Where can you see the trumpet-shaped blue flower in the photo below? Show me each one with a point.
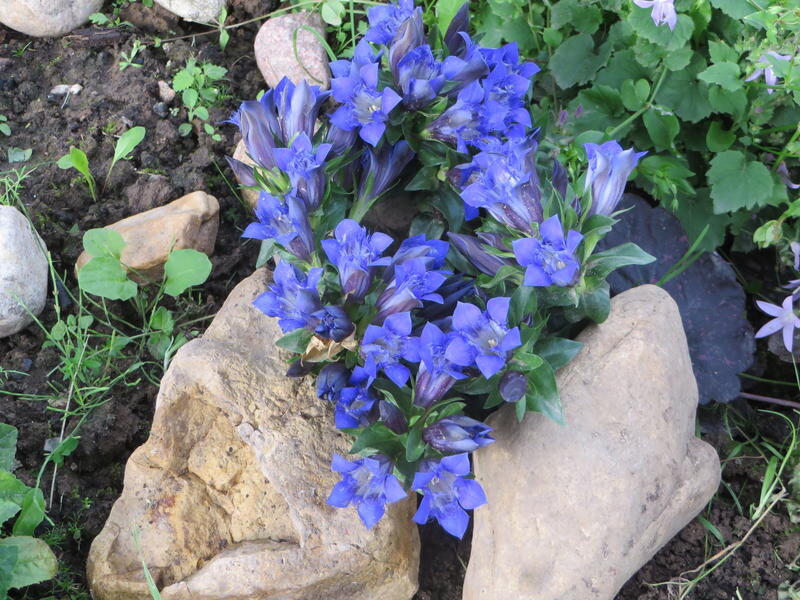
(549, 259)
(785, 320)
(304, 165)
(292, 297)
(356, 402)
(437, 373)
(414, 282)
(663, 11)
(508, 57)
(286, 222)
(420, 77)
(473, 250)
(484, 339)
(258, 126)
(385, 20)
(456, 288)
(383, 347)
(332, 379)
(296, 107)
(410, 35)
(432, 252)
(383, 166)
(469, 120)
(355, 254)
(334, 323)
(368, 484)
(464, 67)
(513, 386)
(609, 168)
(458, 433)
(447, 492)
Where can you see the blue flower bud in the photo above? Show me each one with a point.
(513, 386)
(457, 434)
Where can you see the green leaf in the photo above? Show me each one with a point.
(64, 449)
(8, 446)
(662, 128)
(731, 103)
(736, 9)
(103, 242)
(16, 155)
(190, 98)
(720, 52)
(296, 341)
(603, 263)
(8, 509)
(8, 560)
(717, 139)
(182, 80)
(595, 304)
(445, 11)
(575, 61)
(376, 438)
(127, 142)
(216, 72)
(332, 12)
(415, 447)
(185, 268)
(582, 17)
(105, 277)
(32, 513)
(11, 488)
(557, 351)
(678, 59)
(35, 561)
(201, 112)
(682, 93)
(543, 393)
(642, 23)
(79, 161)
(737, 182)
(724, 74)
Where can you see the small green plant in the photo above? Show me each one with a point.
(24, 559)
(102, 20)
(224, 36)
(4, 127)
(200, 89)
(127, 59)
(126, 143)
(19, 52)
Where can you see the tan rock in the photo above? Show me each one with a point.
(249, 195)
(278, 56)
(575, 510)
(188, 222)
(46, 18)
(201, 11)
(229, 490)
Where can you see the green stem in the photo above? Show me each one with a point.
(644, 108)
(785, 152)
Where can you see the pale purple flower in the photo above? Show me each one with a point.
(663, 11)
(766, 69)
(609, 168)
(785, 319)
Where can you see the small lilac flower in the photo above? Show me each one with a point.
(384, 346)
(304, 165)
(420, 77)
(364, 107)
(332, 379)
(472, 249)
(513, 386)
(383, 166)
(609, 168)
(355, 254)
(447, 492)
(355, 404)
(334, 323)
(770, 77)
(413, 282)
(292, 297)
(468, 121)
(286, 222)
(550, 259)
(785, 319)
(483, 339)
(663, 11)
(459, 433)
(795, 248)
(368, 484)
(385, 20)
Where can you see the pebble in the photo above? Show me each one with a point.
(165, 92)
(161, 109)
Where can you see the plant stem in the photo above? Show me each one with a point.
(644, 108)
(769, 400)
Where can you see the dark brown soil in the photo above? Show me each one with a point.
(164, 167)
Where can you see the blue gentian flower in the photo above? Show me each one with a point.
(385, 20)
(364, 107)
(469, 120)
(413, 282)
(483, 339)
(459, 24)
(663, 11)
(785, 319)
(292, 297)
(456, 288)
(508, 57)
(506, 90)
(472, 249)
(296, 107)
(355, 404)
(304, 165)
(458, 433)
(392, 417)
(334, 323)
(382, 167)
(466, 67)
(432, 252)
(549, 259)
(355, 254)
(437, 373)
(410, 35)
(332, 379)
(286, 222)
(383, 346)
(513, 386)
(420, 78)
(447, 492)
(258, 126)
(609, 168)
(368, 484)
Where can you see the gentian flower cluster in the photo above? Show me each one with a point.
(410, 338)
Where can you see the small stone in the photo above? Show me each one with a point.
(275, 50)
(23, 272)
(47, 18)
(594, 499)
(188, 222)
(61, 89)
(148, 192)
(250, 196)
(161, 109)
(229, 490)
(200, 11)
(166, 93)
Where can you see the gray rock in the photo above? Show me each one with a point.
(275, 50)
(23, 272)
(575, 510)
(46, 18)
(229, 490)
(201, 11)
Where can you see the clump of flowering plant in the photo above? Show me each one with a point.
(411, 340)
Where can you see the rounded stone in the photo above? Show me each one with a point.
(47, 18)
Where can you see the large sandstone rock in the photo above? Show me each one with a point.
(229, 490)
(201, 11)
(188, 222)
(46, 18)
(23, 272)
(277, 54)
(575, 510)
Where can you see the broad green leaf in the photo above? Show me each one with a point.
(717, 139)
(621, 67)
(332, 12)
(8, 560)
(182, 81)
(445, 11)
(737, 9)
(557, 351)
(603, 263)
(376, 438)
(201, 112)
(296, 341)
(731, 103)
(103, 242)
(677, 60)
(672, 40)
(32, 513)
(682, 93)
(8, 446)
(128, 141)
(190, 97)
(162, 320)
(11, 488)
(16, 155)
(662, 128)
(724, 74)
(629, 95)
(35, 561)
(596, 304)
(105, 277)
(575, 61)
(720, 52)
(8, 509)
(543, 394)
(79, 161)
(185, 268)
(216, 72)
(582, 17)
(737, 182)
(415, 447)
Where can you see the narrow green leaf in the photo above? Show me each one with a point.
(543, 396)
(296, 341)
(127, 142)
